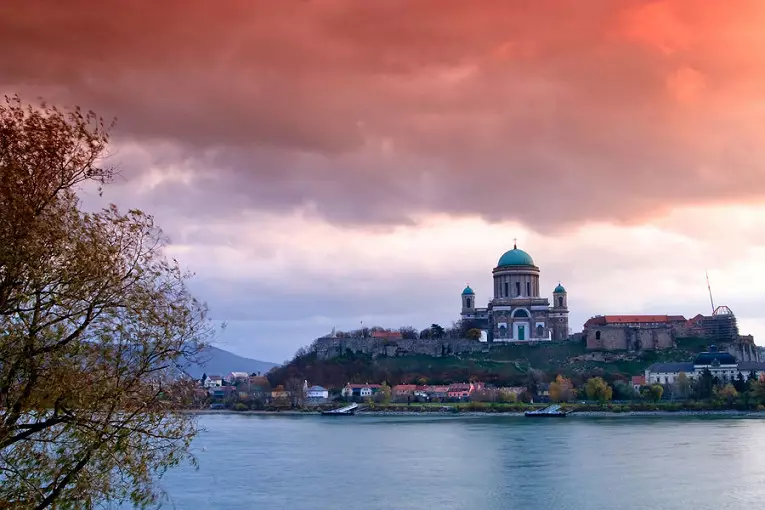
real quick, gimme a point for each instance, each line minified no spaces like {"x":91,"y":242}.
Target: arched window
{"x":502,"y":331}
{"x":560,"y":302}
{"x":520,"y":313}
{"x":597,"y":335}
{"x":540,"y":331}
{"x":507,"y":292}
{"x":467,"y":302}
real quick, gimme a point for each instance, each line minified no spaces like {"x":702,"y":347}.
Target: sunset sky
{"x":319,"y":163}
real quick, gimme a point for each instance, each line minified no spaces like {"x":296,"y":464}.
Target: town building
{"x":722,"y":365}
{"x":518,"y":313}
{"x":317,"y":394}
{"x":233,"y":377}
{"x":359,"y":390}
{"x":213,"y":381}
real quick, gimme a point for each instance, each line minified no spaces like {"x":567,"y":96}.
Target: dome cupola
{"x":515,"y":257}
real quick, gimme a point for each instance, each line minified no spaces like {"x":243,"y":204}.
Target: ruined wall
{"x":327,"y":348}
{"x":626,"y":338}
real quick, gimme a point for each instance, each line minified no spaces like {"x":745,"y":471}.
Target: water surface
{"x":472,"y":462}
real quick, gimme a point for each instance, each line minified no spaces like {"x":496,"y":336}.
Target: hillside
{"x":221,"y":362}
{"x":505,"y":365}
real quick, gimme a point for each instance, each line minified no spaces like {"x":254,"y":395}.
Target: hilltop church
{"x":518,"y":313}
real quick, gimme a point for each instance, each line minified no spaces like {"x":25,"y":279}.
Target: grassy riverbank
{"x":637,"y":408}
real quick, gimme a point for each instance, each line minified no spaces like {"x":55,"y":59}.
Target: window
{"x":597,"y":335}
{"x":507,"y":292}
{"x":517,"y":288}
{"x":540,"y":331}
{"x":528,"y":288}
{"x":560,"y":302}
{"x":467,"y":302}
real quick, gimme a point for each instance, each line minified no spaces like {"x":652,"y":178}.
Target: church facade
{"x":518,"y":313}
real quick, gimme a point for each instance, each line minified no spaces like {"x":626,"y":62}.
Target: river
{"x":472,"y":462}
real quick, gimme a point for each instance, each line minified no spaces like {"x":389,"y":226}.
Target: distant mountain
{"x":219,"y":362}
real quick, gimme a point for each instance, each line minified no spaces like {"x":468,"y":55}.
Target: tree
{"x":408,"y":333}
{"x":705,"y":385}
{"x":97,"y":326}
{"x":533,"y":379}
{"x":426,"y":334}
{"x":473,"y":334}
{"x":758,"y":390}
{"x":624,"y":391}
{"x":436,"y":331}
{"x":296,"y":389}
{"x":653,"y":392}
{"x":683,"y":385}
{"x":727,"y":393}
{"x":597,"y":389}
{"x":561,"y":389}
{"x":740,"y":383}
{"x":384,"y":393}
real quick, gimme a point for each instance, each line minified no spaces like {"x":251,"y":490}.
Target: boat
{"x":553,"y":411}
{"x":342,"y":411}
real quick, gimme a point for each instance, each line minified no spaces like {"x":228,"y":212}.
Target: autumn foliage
{"x":96,"y":325}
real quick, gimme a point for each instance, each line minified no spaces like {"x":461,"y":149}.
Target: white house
{"x":213,"y":381}
{"x":232,"y":377}
{"x":317,"y":393}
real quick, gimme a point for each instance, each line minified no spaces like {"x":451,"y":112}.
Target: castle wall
{"x":626,"y":338}
{"x":327,"y":348}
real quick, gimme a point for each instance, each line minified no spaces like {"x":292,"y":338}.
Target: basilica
{"x":518,"y":313}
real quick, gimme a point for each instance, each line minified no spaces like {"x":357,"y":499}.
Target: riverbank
{"x":450,"y":412}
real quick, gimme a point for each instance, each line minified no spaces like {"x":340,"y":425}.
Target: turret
{"x":468,"y":300}
{"x":559,"y":314}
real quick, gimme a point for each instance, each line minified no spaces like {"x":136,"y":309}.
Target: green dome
{"x":515,"y":257}
{"x":468,"y":291}
{"x":559,"y":289}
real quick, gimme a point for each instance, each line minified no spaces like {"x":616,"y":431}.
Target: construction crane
{"x":711,"y":301}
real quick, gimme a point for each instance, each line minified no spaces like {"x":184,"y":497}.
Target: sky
{"x":321,"y":163}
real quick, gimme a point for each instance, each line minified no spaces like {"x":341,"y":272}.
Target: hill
{"x":220,"y":362}
{"x":502,"y":365}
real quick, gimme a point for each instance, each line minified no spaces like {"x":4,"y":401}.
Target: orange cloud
{"x":551,"y":113}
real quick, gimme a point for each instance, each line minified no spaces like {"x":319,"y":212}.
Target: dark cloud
{"x":376,"y":112}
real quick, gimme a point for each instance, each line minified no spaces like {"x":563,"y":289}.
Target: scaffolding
{"x":721,"y":326}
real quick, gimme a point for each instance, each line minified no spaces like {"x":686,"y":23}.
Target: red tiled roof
{"x":638,"y":379}
{"x":396,"y":335}
{"x":405,"y":387}
{"x":603,"y":320}
{"x":357,"y":386}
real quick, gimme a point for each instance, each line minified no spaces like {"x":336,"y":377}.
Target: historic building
{"x":722,"y":365}
{"x":518,"y":313}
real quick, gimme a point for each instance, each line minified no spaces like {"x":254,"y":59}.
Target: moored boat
{"x":553,"y":411}
{"x":342,"y":411}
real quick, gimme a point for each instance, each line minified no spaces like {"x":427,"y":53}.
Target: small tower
{"x":559,"y":314}
{"x":468,"y":301}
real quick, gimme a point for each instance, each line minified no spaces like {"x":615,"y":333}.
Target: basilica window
{"x":507,"y":292}
{"x":560,"y":302}
{"x":517,"y":288}
{"x":528,"y":288}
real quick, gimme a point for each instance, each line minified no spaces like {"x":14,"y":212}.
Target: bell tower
{"x":468,"y":300}
{"x":559,"y":314}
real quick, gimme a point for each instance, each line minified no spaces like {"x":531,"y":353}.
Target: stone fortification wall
{"x":624,"y":338}
{"x":327,"y":348}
